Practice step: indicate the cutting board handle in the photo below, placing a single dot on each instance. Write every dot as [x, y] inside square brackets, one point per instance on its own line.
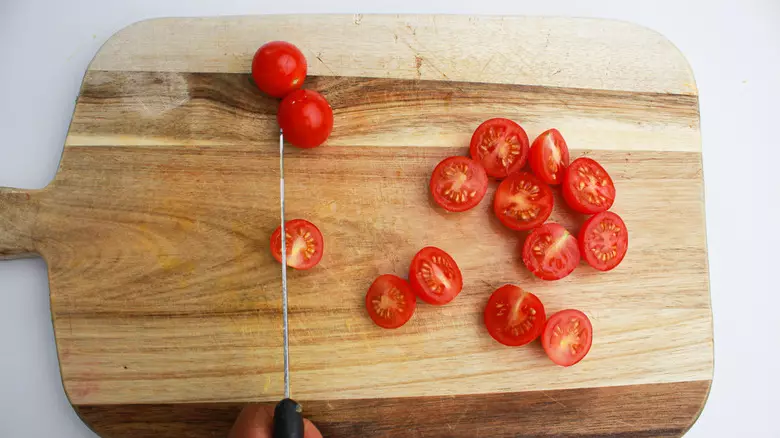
[18, 209]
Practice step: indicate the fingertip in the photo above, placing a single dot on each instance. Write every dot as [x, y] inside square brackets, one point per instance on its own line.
[310, 430]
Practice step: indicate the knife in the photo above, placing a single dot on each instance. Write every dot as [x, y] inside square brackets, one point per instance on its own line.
[288, 421]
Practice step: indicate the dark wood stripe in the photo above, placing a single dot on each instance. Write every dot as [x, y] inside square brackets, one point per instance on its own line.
[228, 108]
[654, 410]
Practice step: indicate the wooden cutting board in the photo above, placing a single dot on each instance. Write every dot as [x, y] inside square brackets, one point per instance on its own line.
[166, 300]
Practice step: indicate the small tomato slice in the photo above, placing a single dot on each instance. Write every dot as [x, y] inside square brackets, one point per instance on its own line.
[458, 183]
[304, 244]
[434, 276]
[513, 316]
[390, 301]
[550, 252]
[523, 201]
[567, 337]
[501, 145]
[604, 240]
[549, 156]
[587, 187]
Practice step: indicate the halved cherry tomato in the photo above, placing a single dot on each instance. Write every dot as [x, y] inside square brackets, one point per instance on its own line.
[501, 145]
[550, 252]
[278, 68]
[587, 187]
[523, 201]
[604, 240]
[306, 118]
[458, 183]
[434, 276]
[513, 316]
[567, 337]
[390, 301]
[549, 156]
[304, 244]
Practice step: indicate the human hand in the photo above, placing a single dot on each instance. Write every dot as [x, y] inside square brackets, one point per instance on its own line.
[257, 421]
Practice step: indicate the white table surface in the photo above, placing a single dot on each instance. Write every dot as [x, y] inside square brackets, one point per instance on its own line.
[733, 47]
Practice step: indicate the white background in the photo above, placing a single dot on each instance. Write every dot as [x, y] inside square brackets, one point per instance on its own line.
[733, 47]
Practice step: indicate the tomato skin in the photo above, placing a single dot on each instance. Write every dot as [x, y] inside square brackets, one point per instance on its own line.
[591, 192]
[567, 328]
[549, 156]
[390, 301]
[458, 195]
[513, 316]
[550, 252]
[434, 276]
[306, 118]
[307, 237]
[278, 68]
[603, 240]
[525, 188]
[501, 146]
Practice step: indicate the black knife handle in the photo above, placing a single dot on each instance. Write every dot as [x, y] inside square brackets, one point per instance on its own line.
[288, 421]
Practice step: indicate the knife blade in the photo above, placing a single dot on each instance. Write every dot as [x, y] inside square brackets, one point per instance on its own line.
[288, 422]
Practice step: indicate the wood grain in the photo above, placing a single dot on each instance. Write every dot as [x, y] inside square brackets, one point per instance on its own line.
[589, 412]
[166, 300]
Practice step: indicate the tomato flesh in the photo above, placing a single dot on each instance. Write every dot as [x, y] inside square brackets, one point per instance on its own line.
[567, 337]
[304, 244]
[523, 201]
[278, 68]
[434, 276]
[587, 187]
[549, 156]
[604, 240]
[306, 118]
[390, 301]
[501, 145]
[458, 183]
[550, 252]
[513, 316]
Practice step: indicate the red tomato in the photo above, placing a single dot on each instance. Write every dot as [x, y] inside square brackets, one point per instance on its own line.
[435, 276]
[304, 244]
[501, 145]
[390, 301]
[567, 337]
[523, 201]
[604, 240]
[278, 68]
[587, 187]
[306, 118]
[550, 252]
[549, 156]
[513, 316]
[458, 183]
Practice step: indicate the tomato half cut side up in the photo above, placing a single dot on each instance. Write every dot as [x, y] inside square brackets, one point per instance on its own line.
[567, 337]
[458, 183]
[501, 145]
[549, 156]
[434, 276]
[587, 187]
[390, 301]
[523, 201]
[513, 316]
[603, 240]
[304, 244]
[550, 252]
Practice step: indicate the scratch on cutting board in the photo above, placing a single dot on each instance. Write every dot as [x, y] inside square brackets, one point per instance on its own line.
[554, 400]
[267, 384]
[319, 58]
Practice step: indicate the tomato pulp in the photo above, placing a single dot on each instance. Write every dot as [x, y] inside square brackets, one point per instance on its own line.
[458, 183]
[604, 240]
[501, 145]
[523, 201]
[513, 316]
[434, 276]
[390, 301]
[549, 156]
[304, 244]
[587, 187]
[550, 252]
[567, 337]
